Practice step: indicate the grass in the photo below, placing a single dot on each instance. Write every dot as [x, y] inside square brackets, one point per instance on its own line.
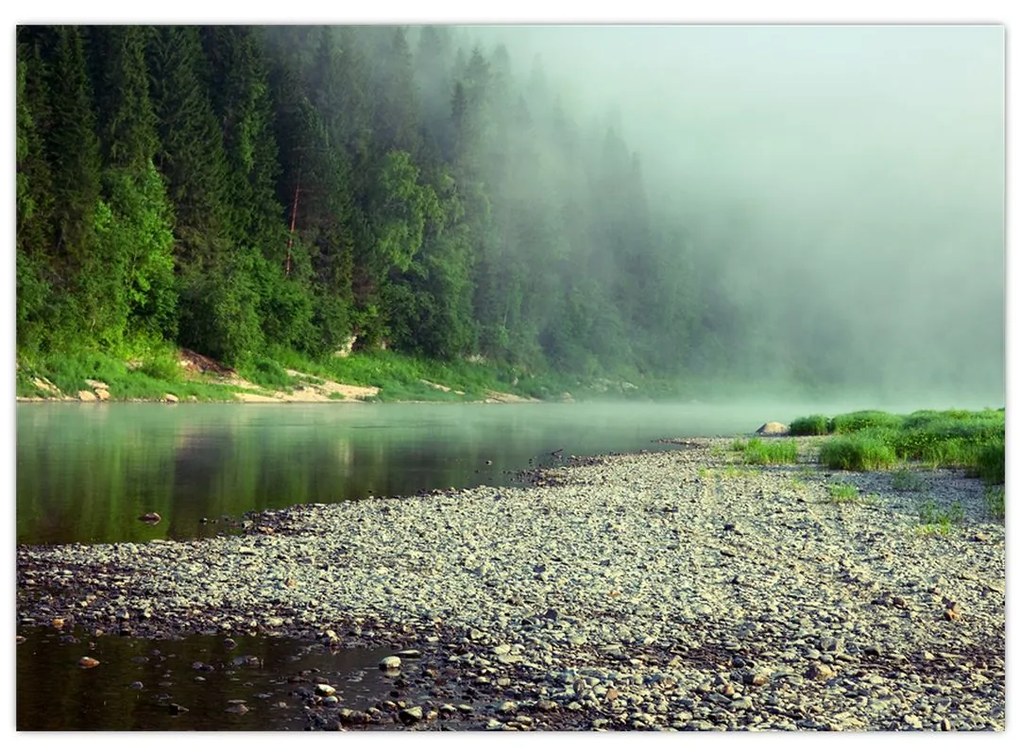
[842, 492]
[758, 451]
[862, 451]
[267, 373]
[938, 520]
[842, 424]
[869, 440]
[995, 502]
[139, 371]
[815, 424]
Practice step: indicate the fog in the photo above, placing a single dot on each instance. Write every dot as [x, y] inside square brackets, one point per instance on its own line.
[847, 183]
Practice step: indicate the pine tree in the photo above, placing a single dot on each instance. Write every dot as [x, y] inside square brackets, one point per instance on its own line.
[34, 203]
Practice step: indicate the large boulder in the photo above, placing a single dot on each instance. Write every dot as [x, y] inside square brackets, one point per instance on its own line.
[773, 428]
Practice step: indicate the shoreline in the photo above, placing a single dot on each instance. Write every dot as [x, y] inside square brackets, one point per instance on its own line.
[667, 589]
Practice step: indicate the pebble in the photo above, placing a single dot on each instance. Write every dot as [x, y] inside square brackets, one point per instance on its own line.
[605, 596]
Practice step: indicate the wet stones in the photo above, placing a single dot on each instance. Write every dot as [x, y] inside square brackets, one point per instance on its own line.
[87, 662]
[390, 663]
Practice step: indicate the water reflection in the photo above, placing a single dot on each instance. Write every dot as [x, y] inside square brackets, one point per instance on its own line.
[86, 472]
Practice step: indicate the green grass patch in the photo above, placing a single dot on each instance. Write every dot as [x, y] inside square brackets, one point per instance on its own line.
[758, 451]
[853, 422]
[990, 461]
[267, 373]
[738, 444]
[140, 371]
[936, 519]
[861, 451]
[815, 424]
[995, 502]
[842, 492]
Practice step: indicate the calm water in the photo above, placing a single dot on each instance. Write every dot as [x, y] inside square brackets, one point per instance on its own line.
[85, 473]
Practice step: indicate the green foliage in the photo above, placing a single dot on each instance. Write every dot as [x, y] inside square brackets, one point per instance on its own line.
[843, 493]
[815, 424]
[862, 450]
[758, 451]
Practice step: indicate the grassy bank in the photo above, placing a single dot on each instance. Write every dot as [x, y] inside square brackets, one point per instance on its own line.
[867, 440]
[150, 371]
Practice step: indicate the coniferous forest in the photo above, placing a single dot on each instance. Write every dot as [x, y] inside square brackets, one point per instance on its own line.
[232, 189]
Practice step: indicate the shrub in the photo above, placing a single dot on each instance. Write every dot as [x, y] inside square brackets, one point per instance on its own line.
[815, 424]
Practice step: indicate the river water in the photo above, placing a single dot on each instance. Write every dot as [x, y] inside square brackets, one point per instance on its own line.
[86, 472]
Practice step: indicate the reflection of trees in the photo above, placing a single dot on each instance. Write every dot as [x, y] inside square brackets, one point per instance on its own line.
[85, 473]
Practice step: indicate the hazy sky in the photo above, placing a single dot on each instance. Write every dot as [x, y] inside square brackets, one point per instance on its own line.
[858, 170]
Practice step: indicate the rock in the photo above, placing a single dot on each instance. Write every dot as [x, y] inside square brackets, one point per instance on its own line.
[176, 709]
[951, 614]
[151, 516]
[170, 398]
[913, 721]
[86, 662]
[102, 390]
[508, 706]
[87, 396]
[773, 428]
[324, 690]
[409, 653]
[820, 671]
[411, 715]
[389, 663]
[237, 707]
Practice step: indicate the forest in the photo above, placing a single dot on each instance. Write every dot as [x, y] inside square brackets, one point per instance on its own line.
[235, 189]
[264, 195]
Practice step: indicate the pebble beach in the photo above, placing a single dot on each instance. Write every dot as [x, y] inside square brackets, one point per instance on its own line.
[667, 590]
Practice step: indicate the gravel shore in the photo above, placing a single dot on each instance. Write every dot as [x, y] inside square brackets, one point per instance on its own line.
[662, 590]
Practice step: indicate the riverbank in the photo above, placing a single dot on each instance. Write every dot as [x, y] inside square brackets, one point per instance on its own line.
[664, 590]
[163, 373]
